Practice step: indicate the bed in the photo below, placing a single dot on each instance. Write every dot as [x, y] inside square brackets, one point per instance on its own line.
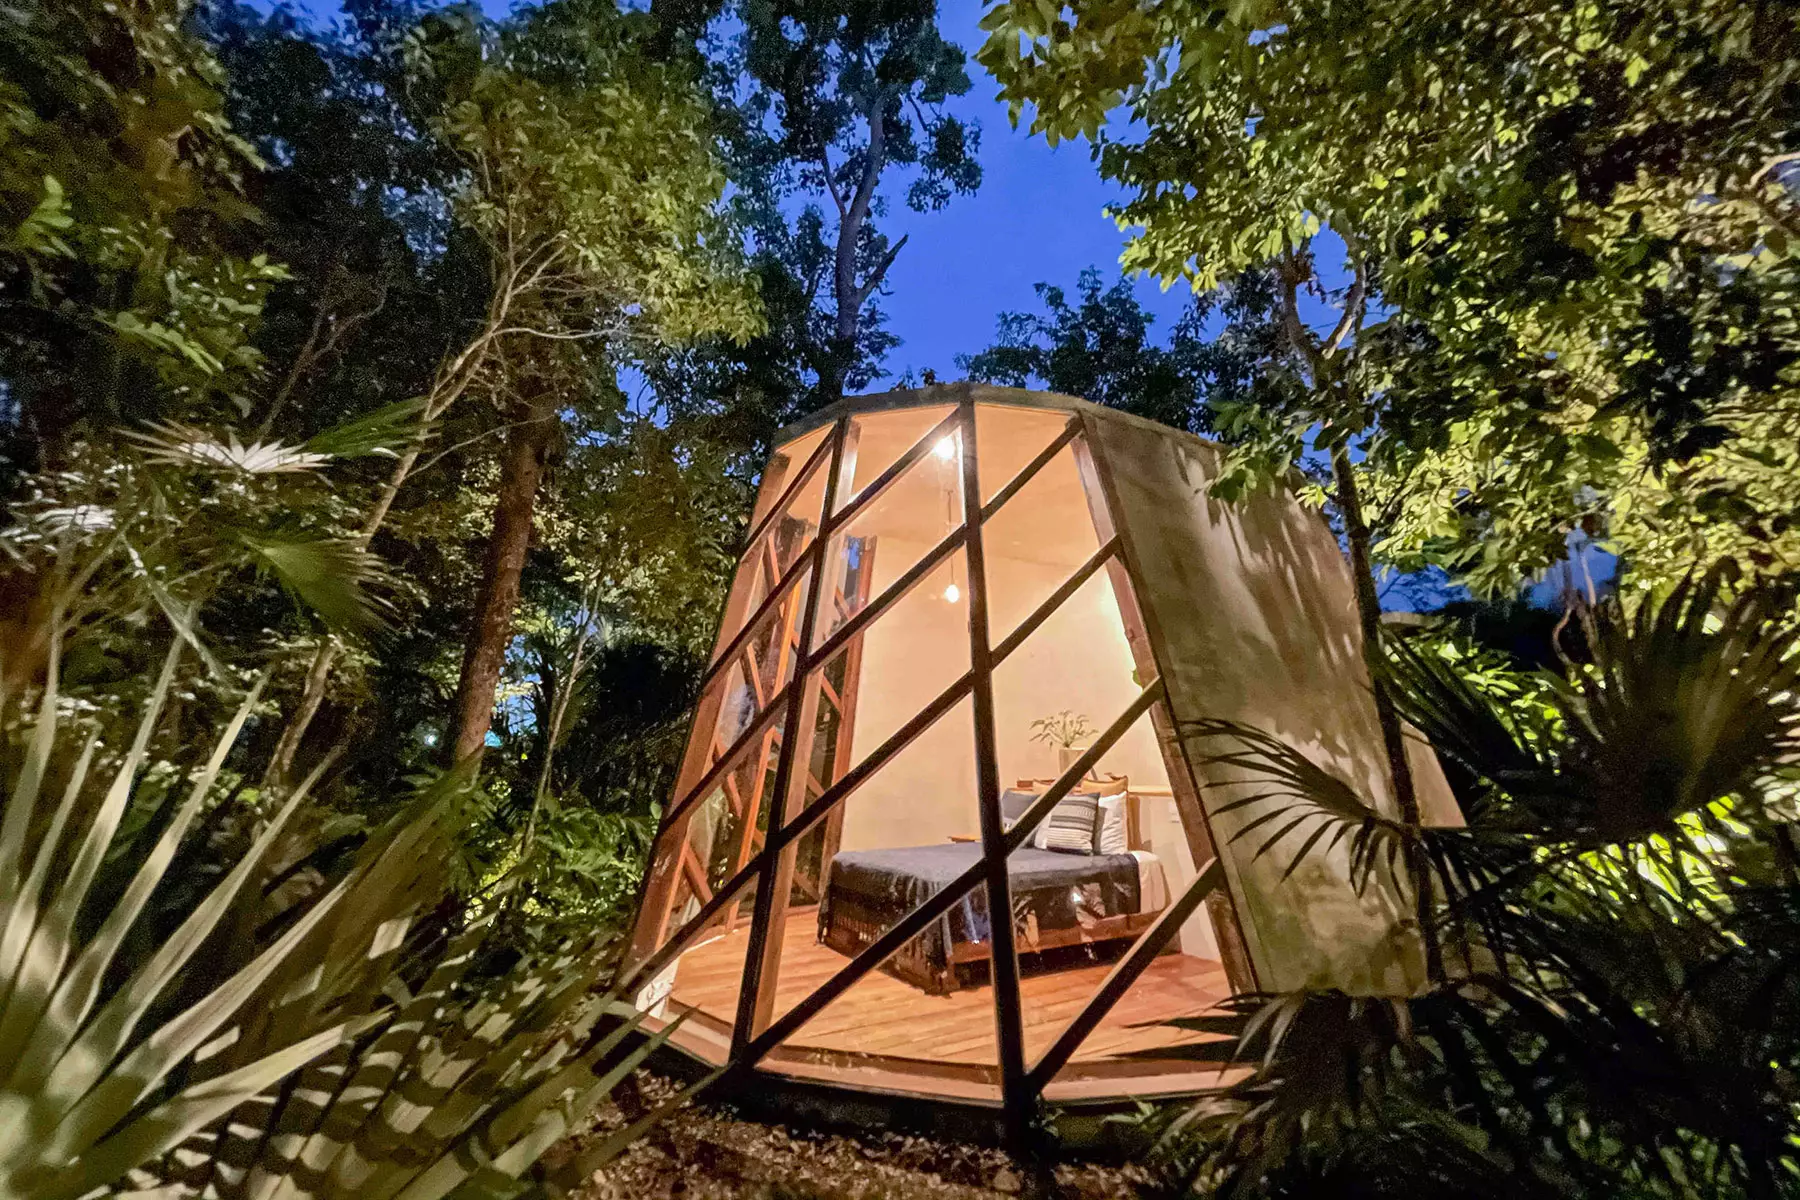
[1059, 900]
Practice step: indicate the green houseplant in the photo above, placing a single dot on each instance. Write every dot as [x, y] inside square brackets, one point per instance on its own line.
[1068, 731]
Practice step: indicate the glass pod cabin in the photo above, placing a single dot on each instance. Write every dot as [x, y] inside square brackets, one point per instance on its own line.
[954, 679]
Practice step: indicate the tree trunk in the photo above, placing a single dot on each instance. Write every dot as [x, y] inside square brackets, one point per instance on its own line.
[852, 216]
[1393, 737]
[521, 467]
[1368, 613]
[453, 378]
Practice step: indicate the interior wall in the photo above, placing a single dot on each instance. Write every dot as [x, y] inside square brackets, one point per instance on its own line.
[910, 654]
[1078, 660]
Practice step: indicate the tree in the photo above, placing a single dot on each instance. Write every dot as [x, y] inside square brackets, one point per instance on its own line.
[851, 91]
[592, 182]
[129, 278]
[1100, 349]
[487, 250]
[1575, 222]
[792, 87]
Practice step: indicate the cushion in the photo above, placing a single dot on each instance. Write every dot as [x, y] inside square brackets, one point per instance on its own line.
[1070, 825]
[1013, 803]
[1111, 834]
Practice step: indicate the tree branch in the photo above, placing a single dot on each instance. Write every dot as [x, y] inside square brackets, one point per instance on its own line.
[831, 186]
[1291, 272]
[1355, 304]
[869, 285]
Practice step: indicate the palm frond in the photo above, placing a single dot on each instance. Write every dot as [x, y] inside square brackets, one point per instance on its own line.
[1305, 798]
[376, 433]
[1690, 700]
[311, 1069]
[172, 443]
[1464, 726]
[331, 576]
[75, 1063]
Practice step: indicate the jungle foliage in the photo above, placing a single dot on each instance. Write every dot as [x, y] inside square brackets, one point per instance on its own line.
[373, 389]
[1616, 1015]
[1566, 234]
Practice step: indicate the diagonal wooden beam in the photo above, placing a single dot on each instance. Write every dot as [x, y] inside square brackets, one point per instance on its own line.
[1031, 468]
[722, 764]
[896, 591]
[776, 595]
[696, 874]
[1124, 973]
[677, 942]
[791, 490]
[1043, 611]
[872, 956]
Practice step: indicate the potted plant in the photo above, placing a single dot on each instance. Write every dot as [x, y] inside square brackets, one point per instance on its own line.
[1067, 731]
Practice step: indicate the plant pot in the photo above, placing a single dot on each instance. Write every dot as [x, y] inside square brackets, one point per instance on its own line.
[1066, 756]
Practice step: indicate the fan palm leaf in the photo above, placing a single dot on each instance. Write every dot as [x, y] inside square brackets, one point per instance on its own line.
[310, 1068]
[1689, 700]
[73, 1063]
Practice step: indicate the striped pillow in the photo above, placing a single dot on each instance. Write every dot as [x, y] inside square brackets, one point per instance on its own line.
[1070, 825]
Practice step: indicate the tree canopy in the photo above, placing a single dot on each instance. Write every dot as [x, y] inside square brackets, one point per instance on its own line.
[1099, 347]
[1574, 222]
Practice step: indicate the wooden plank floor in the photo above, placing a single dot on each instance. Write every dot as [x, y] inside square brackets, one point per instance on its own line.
[882, 1015]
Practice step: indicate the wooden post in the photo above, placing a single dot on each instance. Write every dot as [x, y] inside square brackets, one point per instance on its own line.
[1003, 962]
[763, 954]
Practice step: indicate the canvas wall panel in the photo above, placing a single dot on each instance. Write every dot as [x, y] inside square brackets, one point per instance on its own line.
[1252, 612]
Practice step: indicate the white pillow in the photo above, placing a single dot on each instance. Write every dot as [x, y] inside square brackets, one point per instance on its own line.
[1111, 836]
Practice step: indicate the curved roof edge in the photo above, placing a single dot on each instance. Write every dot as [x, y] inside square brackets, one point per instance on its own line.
[980, 393]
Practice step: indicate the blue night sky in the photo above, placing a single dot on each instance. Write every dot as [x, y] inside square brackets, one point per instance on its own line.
[1039, 217]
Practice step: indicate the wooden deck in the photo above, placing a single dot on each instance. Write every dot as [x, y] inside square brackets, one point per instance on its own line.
[881, 1015]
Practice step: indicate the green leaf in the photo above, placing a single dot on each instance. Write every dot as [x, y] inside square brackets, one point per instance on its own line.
[328, 575]
[380, 432]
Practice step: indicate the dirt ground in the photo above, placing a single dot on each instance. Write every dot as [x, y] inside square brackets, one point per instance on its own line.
[710, 1153]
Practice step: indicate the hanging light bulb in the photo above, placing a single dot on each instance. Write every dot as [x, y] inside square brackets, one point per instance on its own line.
[953, 593]
[946, 447]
